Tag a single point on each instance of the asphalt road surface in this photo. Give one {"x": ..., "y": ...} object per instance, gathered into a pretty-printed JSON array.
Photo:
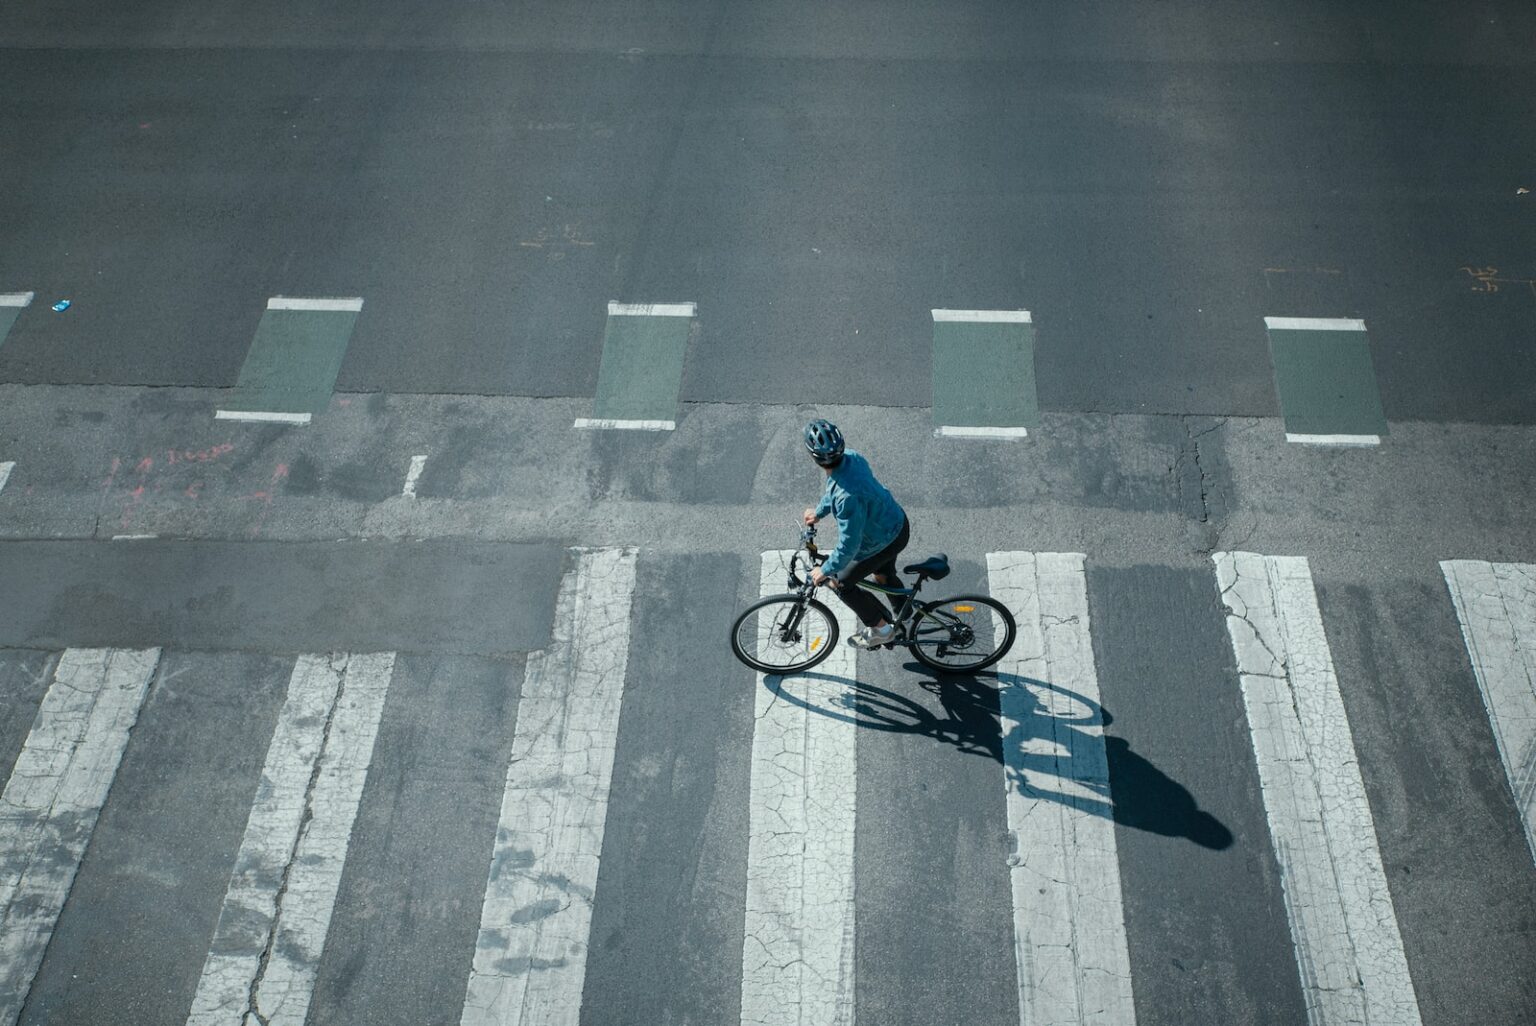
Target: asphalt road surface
[{"x": 360, "y": 664}]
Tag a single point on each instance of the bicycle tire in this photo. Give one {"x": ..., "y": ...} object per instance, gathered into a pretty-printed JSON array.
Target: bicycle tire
[
  {"x": 820, "y": 646},
  {"x": 928, "y": 655}
]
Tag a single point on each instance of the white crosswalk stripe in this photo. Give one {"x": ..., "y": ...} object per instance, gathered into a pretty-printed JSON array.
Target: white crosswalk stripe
[
  {"x": 54, "y": 795},
  {"x": 798, "y": 953},
  {"x": 531, "y": 956},
  {"x": 272, "y": 928},
  {"x": 1496, "y": 604},
  {"x": 1069, "y": 922},
  {"x": 1348, "y": 947}
]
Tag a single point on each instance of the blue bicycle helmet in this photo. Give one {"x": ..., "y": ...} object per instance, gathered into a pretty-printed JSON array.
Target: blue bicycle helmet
[{"x": 824, "y": 442}]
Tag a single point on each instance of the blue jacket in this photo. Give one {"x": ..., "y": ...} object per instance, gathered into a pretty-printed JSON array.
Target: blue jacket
[{"x": 868, "y": 519}]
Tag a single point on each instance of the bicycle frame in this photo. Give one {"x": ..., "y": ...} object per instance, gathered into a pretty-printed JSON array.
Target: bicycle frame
[{"x": 906, "y": 614}]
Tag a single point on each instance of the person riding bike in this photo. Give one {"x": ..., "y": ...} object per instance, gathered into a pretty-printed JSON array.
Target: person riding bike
[{"x": 871, "y": 530}]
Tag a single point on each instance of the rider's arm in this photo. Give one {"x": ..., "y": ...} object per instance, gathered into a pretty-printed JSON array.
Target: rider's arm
[
  {"x": 825, "y": 505},
  {"x": 850, "y": 528}
]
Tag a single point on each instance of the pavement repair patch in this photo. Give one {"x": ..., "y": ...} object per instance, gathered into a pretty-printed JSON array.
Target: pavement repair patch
[
  {"x": 1327, "y": 385},
  {"x": 984, "y": 374},
  {"x": 291, "y": 369},
  {"x": 11, "y": 305},
  {"x": 641, "y": 374}
]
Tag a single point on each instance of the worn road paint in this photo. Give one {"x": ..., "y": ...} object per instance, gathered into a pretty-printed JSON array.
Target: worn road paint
[
  {"x": 1348, "y": 948},
  {"x": 412, "y": 475},
  {"x": 798, "y": 955},
  {"x": 277, "y": 911},
  {"x": 347, "y": 305},
  {"x": 1355, "y": 440},
  {"x": 5, "y": 472},
  {"x": 1068, "y": 915},
  {"x": 984, "y": 374},
  {"x": 16, "y": 299},
  {"x": 1496, "y": 604},
  {"x": 980, "y": 432},
  {"x": 56, "y": 791},
  {"x": 531, "y": 954},
  {"x": 609, "y": 424},
  {"x": 985, "y": 316},
  {"x": 267, "y": 416},
  {"x": 134, "y": 537},
  {"x": 1314, "y": 324},
  {"x": 652, "y": 309}
]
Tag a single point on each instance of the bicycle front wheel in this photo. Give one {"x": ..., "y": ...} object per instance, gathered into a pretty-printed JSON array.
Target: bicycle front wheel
[
  {"x": 784, "y": 634},
  {"x": 962, "y": 634}
]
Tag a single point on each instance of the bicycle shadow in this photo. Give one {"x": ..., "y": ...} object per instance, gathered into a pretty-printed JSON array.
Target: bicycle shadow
[{"x": 1049, "y": 752}]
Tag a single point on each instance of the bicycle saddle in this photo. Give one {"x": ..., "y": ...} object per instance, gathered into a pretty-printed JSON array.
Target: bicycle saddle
[{"x": 935, "y": 567}]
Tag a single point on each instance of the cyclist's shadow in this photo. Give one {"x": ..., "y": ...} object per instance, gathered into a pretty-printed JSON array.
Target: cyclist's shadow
[{"x": 1049, "y": 751}]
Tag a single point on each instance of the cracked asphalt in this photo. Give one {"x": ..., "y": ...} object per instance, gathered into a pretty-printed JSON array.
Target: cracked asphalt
[{"x": 1150, "y": 179}]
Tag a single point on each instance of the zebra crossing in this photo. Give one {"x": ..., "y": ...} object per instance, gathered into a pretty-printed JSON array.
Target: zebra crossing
[{"x": 270, "y": 953}]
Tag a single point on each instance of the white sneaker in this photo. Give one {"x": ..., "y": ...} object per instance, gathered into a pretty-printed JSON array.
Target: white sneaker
[{"x": 873, "y": 637}]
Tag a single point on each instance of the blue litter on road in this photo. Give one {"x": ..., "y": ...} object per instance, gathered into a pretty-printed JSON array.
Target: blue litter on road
[{"x": 61, "y": 306}]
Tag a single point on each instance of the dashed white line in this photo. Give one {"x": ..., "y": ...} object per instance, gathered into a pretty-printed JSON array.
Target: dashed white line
[
  {"x": 652, "y": 309},
  {"x": 5, "y": 472},
  {"x": 1349, "y": 440},
  {"x": 980, "y": 432},
  {"x": 134, "y": 537},
  {"x": 798, "y": 954},
  {"x": 16, "y": 298},
  {"x": 1314, "y": 324},
  {"x": 259, "y": 415},
  {"x": 343, "y": 305},
  {"x": 412, "y": 475},
  {"x": 1353, "y": 969},
  {"x": 1068, "y": 916},
  {"x": 531, "y": 954},
  {"x": 277, "y": 910},
  {"x": 985, "y": 316},
  {"x": 1496, "y": 604},
  {"x": 607, "y": 424},
  {"x": 56, "y": 791}
]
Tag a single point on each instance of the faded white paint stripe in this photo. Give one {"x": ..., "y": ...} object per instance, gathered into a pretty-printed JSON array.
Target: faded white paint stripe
[
  {"x": 1348, "y": 947},
  {"x": 263, "y": 415},
  {"x": 652, "y": 309},
  {"x": 798, "y": 955},
  {"x": 1354, "y": 440},
  {"x": 980, "y": 432},
  {"x": 1068, "y": 915},
  {"x": 55, "y": 793},
  {"x": 1496, "y": 604},
  {"x": 346, "y": 305},
  {"x": 418, "y": 463},
  {"x": 984, "y": 316},
  {"x": 607, "y": 424},
  {"x": 531, "y": 956},
  {"x": 16, "y": 298},
  {"x": 1313, "y": 324},
  {"x": 277, "y": 910},
  {"x": 5, "y": 472}
]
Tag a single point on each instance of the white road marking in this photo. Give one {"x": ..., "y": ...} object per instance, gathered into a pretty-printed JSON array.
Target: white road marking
[
  {"x": 54, "y": 796},
  {"x": 1068, "y": 916},
  {"x": 1355, "y": 440},
  {"x": 652, "y": 309},
  {"x": 531, "y": 955},
  {"x": 1348, "y": 947},
  {"x": 134, "y": 537},
  {"x": 273, "y": 417},
  {"x": 987, "y": 316},
  {"x": 1496, "y": 604},
  {"x": 16, "y": 298},
  {"x": 277, "y": 911},
  {"x": 1313, "y": 324},
  {"x": 980, "y": 432},
  {"x": 349, "y": 305},
  {"x": 798, "y": 955},
  {"x": 412, "y": 475},
  {"x": 5, "y": 472},
  {"x": 605, "y": 424}
]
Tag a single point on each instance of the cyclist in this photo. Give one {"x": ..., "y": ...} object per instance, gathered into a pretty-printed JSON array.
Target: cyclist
[{"x": 871, "y": 531}]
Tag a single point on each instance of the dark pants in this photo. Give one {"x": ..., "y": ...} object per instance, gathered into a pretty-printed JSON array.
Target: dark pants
[{"x": 882, "y": 566}]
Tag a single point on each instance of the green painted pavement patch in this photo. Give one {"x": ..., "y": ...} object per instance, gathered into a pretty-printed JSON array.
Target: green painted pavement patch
[
  {"x": 641, "y": 374},
  {"x": 11, "y": 305},
  {"x": 295, "y": 357},
  {"x": 984, "y": 369},
  {"x": 1325, "y": 378}
]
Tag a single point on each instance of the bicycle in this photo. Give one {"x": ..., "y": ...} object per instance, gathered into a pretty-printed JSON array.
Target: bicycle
[{"x": 792, "y": 632}]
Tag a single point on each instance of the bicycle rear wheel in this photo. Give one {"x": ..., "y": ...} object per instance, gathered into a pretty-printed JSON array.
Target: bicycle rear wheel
[
  {"x": 962, "y": 634},
  {"x": 784, "y": 634}
]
